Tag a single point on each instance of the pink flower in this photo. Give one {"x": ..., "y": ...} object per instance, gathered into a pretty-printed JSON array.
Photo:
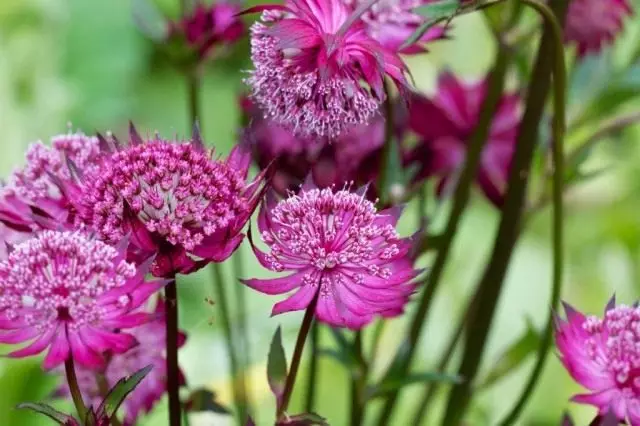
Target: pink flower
[
  {"x": 591, "y": 24},
  {"x": 392, "y": 22},
  {"x": 445, "y": 124},
  {"x": 210, "y": 26},
  {"x": 353, "y": 157},
  {"x": 603, "y": 355},
  {"x": 317, "y": 70},
  {"x": 340, "y": 250},
  {"x": 68, "y": 292},
  {"x": 149, "y": 352},
  {"x": 174, "y": 199}
]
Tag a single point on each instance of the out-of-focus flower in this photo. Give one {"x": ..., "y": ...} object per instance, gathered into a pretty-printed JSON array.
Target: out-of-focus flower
[
  {"x": 353, "y": 157},
  {"x": 208, "y": 27},
  {"x": 603, "y": 355},
  {"x": 340, "y": 250},
  {"x": 392, "y": 22},
  {"x": 149, "y": 352},
  {"x": 68, "y": 292},
  {"x": 175, "y": 201},
  {"x": 591, "y": 24},
  {"x": 317, "y": 71},
  {"x": 444, "y": 125}
]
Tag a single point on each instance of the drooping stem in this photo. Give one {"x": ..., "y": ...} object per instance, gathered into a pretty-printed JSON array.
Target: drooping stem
[
  {"x": 173, "y": 371},
  {"x": 312, "y": 381},
  {"x": 76, "y": 395},
  {"x": 490, "y": 285},
  {"x": 461, "y": 197},
  {"x": 307, "y": 321},
  {"x": 559, "y": 77},
  {"x": 239, "y": 391},
  {"x": 358, "y": 382}
]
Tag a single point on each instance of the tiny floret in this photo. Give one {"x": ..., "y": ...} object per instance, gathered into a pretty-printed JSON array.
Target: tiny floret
[
  {"x": 340, "y": 250},
  {"x": 70, "y": 293}
]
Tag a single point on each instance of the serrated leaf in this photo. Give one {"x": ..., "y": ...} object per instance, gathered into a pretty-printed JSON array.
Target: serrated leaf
[
  {"x": 47, "y": 410},
  {"x": 391, "y": 385},
  {"x": 205, "y": 400},
  {"x": 513, "y": 356},
  {"x": 149, "y": 20},
  {"x": 434, "y": 13},
  {"x": 277, "y": 365},
  {"x": 121, "y": 390}
]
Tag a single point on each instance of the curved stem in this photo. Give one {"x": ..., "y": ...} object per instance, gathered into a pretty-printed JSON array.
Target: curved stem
[
  {"x": 559, "y": 76},
  {"x": 461, "y": 197},
  {"x": 313, "y": 368},
  {"x": 173, "y": 370},
  {"x": 76, "y": 395},
  {"x": 237, "y": 383},
  {"x": 490, "y": 285},
  {"x": 307, "y": 321}
]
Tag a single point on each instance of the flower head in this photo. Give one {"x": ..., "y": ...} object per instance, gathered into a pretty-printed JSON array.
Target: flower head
[
  {"x": 311, "y": 58},
  {"x": 210, "y": 26},
  {"x": 445, "y": 124},
  {"x": 174, "y": 200},
  {"x": 591, "y": 24},
  {"x": 392, "y": 22},
  {"x": 340, "y": 250},
  {"x": 149, "y": 352},
  {"x": 70, "y": 293},
  {"x": 603, "y": 355}
]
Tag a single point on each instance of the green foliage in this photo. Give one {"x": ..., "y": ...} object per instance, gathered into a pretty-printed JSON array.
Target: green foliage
[{"x": 277, "y": 365}]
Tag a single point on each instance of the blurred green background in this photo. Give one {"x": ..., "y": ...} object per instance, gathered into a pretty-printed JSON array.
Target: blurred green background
[{"x": 82, "y": 63}]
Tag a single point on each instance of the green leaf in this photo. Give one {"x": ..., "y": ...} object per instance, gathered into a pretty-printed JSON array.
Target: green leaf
[
  {"x": 346, "y": 352},
  {"x": 47, "y": 410},
  {"x": 305, "y": 419},
  {"x": 149, "y": 20},
  {"x": 513, "y": 356},
  {"x": 438, "y": 10},
  {"x": 391, "y": 385},
  {"x": 277, "y": 365},
  {"x": 205, "y": 400},
  {"x": 121, "y": 390}
]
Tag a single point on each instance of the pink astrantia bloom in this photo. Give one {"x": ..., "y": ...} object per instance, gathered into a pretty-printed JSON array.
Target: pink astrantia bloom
[
  {"x": 149, "y": 352},
  {"x": 338, "y": 248},
  {"x": 317, "y": 70},
  {"x": 68, "y": 292},
  {"x": 444, "y": 125},
  {"x": 392, "y": 22},
  {"x": 172, "y": 197},
  {"x": 603, "y": 355},
  {"x": 592, "y": 24},
  {"x": 208, "y": 27}
]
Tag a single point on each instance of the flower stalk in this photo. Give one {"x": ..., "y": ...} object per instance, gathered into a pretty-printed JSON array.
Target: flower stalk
[
  {"x": 76, "y": 395},
  {"x": 312, "y": 381},
  {"x": 173, "y": 371}
]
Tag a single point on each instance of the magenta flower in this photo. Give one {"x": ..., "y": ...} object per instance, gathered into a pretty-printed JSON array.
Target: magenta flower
[
  {"x": 445, "y": 124},
  {"x": 210, "y": 26},
  {"x": 392, "y": 22},
  {"x": 175, "y": 201},
  {"x": 149, "y": 352},
  {"x": 603, "y": 355},
  {"x": 317, "y": 70},
  {"x": 69, "y": 293},
  {"x": 591, "y": 24},
  {"x": 340, "y": 250},
  {"x": 353, "y": 157}
]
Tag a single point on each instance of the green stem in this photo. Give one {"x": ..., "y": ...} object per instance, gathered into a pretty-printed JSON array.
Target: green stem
[
  {"x": 491, "y": 283},
  {"x": 243, "y": 331},
  {"x": 559, "y": 77},
  {"x": 312, "y": 382},
  {"x": 239, "y": 391},
  {"x": 193, "y": 87},
  {"x": 307, "y": 321},
  {"x": 383, "y": 177},
  {"x": 358, "y": 383},
  {"x": 461, "y": 198},
  {"x": 76, "y": 395},
  {"x": 173, "y": 370}
]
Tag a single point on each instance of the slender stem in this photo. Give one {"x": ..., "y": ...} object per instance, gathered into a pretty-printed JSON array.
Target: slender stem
[
  {"x": 461, "y": 197},
  {"x": 173, "y": 371},
  {"x": 239, "y": 392},
  {"x": 103, "y": 389},
  {"x": 242, "y": 330},
  {"x": 193, "y": 87},
  {"x": 490, "y": 285},
  {"x": 383, "y": 177},
  {"x": 76, "y": 395},
  {"x": 375, "y": 341},
  {"x": 313, "y": 368},
  {"x": 307, "y": 321},
  {"x": 358, "y": 383},
  {"x": 559, "y": 77}
]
